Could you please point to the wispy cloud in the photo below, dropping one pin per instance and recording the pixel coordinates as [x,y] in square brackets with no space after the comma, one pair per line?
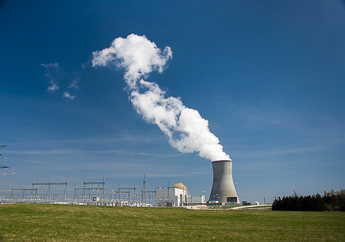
[72,89]
[73,85]
[54,65]
[52,87]
[68,95]
[277,152]
[126,152]
[54,75]
[52,71]
[46,152]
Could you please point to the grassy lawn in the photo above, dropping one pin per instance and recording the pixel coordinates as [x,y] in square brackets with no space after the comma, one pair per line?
[45,222]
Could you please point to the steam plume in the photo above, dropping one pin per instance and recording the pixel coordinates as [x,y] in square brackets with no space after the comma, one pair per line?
[187,131]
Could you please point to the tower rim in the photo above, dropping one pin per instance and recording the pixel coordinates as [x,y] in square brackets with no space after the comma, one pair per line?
[221,160]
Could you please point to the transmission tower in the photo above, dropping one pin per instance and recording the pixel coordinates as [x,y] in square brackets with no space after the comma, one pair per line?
[5,169]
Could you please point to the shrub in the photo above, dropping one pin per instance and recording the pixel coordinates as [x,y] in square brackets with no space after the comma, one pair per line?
[331,201]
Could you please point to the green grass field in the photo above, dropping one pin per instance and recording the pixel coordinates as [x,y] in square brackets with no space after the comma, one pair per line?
[44,222]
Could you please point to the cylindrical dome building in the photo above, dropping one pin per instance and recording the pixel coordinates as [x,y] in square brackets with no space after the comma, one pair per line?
[181,186]
[223,187]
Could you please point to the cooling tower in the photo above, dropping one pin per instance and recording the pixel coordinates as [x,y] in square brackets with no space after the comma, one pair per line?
[223,188]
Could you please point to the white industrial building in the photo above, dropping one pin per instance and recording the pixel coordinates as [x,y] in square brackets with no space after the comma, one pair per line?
[176,196]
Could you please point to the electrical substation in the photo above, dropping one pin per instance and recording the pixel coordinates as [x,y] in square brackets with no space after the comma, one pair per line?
[88,193]
[94,192]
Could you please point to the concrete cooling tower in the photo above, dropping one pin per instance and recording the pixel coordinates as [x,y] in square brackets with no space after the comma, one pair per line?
[223,188]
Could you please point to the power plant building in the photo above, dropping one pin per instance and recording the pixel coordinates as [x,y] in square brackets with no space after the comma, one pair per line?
[176,196]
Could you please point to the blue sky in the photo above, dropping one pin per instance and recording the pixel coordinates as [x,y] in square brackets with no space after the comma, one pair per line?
[267,75]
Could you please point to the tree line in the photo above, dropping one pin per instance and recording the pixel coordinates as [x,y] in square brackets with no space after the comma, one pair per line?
[330,201]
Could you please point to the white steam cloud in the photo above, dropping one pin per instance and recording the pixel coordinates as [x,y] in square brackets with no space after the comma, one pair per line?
[187,131]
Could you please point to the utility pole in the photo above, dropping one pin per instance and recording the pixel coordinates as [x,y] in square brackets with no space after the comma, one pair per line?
[5,169]
[143,200]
